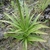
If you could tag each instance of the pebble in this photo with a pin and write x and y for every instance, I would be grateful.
(1, 16)
(1, 34)
(47, 12)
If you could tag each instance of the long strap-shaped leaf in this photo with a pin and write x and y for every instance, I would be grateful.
(15, 17)
(19, 8)
(20, 12)
(10, 23)
(36, 38)
(12, 32)
(31, 18)
(35, 21)
(11, 18)
(25, 44)
(27, 14)
(39, 32)
(37, 27)
(31, 26)
(36, 18)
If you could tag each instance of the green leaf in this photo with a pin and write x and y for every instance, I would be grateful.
(19, 8)
(39, 32)
(10, 23)
(36, 38)
(25, 44)
(9, 35)
(33, 24)
(14, 32)
(21, 14)
(17, 18)
(31, 18)
(12, 18)
(36, 18)
(27, 14)
(19, 36)
(37, 27)
(13, 4)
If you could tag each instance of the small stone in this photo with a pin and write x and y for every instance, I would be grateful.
(1, 34)
(1, 16)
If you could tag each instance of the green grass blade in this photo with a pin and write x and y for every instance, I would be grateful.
(27, 14)
(9, 23)
(19, 8)
(19, 37)
(15, 17)
(36, 38)
(31, 18)
(37, 27)
(13, 4)
(21, 14)
(33, 24)
(16, 31)
(39, 32)
(12, 18)
(36, 18)
(25, 44)
(9, 35)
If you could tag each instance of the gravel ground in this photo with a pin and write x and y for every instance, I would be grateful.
(11, 44)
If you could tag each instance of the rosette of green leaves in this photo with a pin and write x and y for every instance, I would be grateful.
(23, 28)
